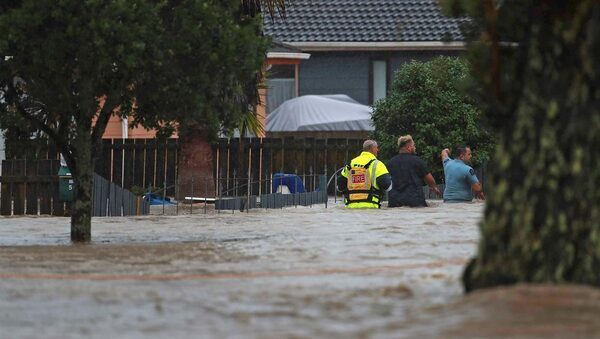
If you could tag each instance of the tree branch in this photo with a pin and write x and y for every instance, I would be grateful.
(108, 108)
(52, 134)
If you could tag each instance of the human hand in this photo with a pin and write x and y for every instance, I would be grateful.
(445, 153)
(480, 195)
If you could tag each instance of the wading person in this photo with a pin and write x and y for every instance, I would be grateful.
(409, 175)
(461, 181)
(364, 180)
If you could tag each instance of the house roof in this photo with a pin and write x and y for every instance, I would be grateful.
(280, 50)
(368, 21)
(280, 47)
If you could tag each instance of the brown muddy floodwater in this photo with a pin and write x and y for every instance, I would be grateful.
(296, 272)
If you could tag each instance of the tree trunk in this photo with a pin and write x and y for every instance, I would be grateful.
(195, 168)
(83, 176)
(542, 219)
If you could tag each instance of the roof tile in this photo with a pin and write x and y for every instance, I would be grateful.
(363, 21)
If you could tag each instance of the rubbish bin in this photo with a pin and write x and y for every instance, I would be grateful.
(65, 184)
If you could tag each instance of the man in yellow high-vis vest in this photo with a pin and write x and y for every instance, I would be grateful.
(365, 179)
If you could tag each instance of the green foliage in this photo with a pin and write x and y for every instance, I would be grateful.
(204, 69)
(167, 64)
(426, 101)
(66, 66)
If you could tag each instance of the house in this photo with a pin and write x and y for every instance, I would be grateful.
(357, 45)
(349, 47)
(282, 62)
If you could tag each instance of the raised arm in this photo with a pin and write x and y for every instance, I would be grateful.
(445, 154)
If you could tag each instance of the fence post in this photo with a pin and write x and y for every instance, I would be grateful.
(260, 163)
(164, 195)
(192, 196)
(335, 188)
(177, 194)
(249, 188)
(311, 193)
(205, 193)
(235, 191)
(220, 195)
(248, 195)
(326, 193)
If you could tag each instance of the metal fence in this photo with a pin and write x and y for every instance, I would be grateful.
(145, 163)
(244, 194)
(30, 187)
(112, 200)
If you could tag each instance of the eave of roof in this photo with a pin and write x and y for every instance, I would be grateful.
(378, 46)
(284, 55)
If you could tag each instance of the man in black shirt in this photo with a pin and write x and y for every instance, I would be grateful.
(409, 175)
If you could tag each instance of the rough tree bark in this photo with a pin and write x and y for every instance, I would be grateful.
(82, 169)
(195, 162)
(542, 219)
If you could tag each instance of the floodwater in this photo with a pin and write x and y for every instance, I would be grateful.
(290, 273)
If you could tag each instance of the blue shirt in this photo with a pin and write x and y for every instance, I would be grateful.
(459, 178)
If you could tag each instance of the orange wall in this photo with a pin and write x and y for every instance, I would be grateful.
(114, 130)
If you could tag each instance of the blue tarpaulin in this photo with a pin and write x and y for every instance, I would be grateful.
(156, 199)
(292, 181)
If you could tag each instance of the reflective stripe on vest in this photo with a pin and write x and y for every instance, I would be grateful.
(362, 194)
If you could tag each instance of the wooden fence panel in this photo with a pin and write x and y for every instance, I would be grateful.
(18, 188)
(96, 196)
(160, 165)
(171, 166)
(128, 164)
(58, 207)
(117, 162)
(150, 166)
(31, 189)
(5, 191)
(277, 155)
(149, 162)
(5, 199)
(44, 187)
(139, 162)
(104, 159)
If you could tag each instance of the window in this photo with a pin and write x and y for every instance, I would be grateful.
(281, 85)
(379, 79)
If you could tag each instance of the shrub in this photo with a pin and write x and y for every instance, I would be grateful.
(426, 100)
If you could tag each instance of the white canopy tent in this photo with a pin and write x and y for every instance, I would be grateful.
(321, 113)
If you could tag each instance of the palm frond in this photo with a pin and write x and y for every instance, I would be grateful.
(270, 6)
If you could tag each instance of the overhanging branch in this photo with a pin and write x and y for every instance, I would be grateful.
(110, 104)
(52, 134)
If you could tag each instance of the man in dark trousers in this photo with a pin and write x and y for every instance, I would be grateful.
(409, 175)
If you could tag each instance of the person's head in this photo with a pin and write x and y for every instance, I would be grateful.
(406, 144)
(463, 153)
(370, 146)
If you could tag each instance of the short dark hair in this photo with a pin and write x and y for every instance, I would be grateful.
(460, 150)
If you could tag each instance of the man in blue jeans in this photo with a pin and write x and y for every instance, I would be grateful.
(461, 181)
